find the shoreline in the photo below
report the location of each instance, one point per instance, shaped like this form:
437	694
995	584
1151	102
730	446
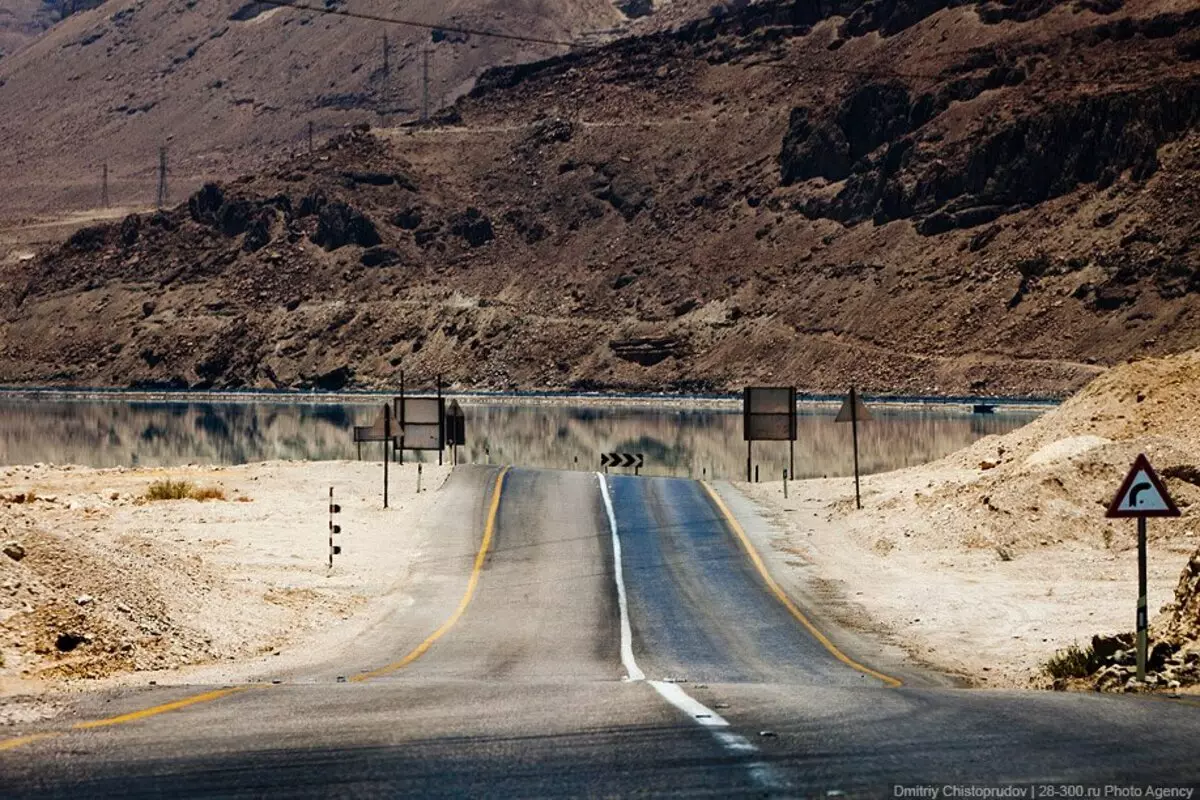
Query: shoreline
488	398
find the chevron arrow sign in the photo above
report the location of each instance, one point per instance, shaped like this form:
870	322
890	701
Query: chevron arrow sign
622	460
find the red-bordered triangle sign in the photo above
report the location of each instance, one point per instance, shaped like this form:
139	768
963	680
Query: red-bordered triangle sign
1142	494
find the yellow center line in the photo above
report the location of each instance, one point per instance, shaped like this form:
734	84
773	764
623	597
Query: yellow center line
133	716
17	741
472	582
782	597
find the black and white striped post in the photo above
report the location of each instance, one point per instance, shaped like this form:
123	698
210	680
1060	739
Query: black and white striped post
334	508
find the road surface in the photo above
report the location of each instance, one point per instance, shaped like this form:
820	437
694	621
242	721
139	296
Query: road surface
532	662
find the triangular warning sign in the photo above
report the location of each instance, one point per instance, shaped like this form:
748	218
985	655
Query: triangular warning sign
1142	494
383	423
860	411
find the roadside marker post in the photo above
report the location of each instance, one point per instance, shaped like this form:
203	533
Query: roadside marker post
334	508
1142	495
853	410
785	484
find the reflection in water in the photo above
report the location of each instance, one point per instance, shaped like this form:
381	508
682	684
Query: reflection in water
107	433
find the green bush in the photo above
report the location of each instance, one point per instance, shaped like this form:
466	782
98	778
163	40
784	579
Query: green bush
1069	663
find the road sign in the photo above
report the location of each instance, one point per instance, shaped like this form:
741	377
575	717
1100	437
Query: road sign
422	422
769	413
635	460
377	432
1142	494
456	424
854	411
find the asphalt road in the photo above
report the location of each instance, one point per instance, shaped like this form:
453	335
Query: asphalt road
541	668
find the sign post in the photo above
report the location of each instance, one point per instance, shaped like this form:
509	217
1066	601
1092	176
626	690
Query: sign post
1142	495
853	410
456	428
768	414
382	431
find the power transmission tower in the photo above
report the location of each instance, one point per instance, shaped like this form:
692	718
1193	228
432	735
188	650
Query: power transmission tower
104	186
162	177
425	85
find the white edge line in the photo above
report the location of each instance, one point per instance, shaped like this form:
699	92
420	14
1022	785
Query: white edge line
632	671
702	715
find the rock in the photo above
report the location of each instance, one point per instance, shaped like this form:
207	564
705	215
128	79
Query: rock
408	219
14	550
205	203
338	224
379	257
131	226
83	600
89	239
473	226
1106	649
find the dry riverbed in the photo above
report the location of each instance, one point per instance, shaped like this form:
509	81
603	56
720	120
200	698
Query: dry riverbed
98	582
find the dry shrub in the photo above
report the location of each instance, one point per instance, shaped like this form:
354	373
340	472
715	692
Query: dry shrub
168	489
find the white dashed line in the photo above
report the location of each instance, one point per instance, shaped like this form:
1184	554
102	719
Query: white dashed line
762	773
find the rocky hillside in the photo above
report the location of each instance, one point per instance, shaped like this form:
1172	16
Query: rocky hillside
986	197
227	86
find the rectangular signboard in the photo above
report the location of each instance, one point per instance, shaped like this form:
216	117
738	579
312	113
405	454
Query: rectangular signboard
422	422
769	413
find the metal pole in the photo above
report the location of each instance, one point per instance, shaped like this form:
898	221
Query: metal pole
1142	621
756	473
400	459
791	470
749	459
441	422
785	474
331	527
425	85
418	477
854	433
387	446
359	451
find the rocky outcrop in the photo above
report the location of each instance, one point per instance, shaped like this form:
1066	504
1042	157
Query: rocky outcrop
871	145
646	351
338	225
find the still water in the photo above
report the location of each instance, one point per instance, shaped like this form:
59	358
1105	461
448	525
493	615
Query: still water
675	440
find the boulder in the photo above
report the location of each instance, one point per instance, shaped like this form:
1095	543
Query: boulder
339	224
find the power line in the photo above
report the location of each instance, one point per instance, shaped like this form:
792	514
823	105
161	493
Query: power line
339	12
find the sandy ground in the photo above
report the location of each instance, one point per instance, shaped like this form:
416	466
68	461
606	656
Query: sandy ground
955	606
989	561
113	588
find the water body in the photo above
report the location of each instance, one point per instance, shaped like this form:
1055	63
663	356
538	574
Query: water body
675	440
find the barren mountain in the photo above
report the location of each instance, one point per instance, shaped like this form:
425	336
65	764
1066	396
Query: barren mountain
227	86
931	196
